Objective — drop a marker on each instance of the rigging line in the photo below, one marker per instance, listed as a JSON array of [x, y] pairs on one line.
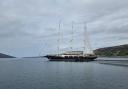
[[87, 41]]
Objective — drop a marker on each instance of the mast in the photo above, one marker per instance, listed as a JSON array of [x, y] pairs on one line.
[[59, 37], [84, 39], [72, 34]]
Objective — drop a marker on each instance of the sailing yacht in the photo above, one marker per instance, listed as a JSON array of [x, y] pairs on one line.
[[75, 56]]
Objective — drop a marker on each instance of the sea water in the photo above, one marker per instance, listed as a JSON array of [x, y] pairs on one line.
[[39, 73]]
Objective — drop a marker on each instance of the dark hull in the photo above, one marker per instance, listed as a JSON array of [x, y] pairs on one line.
[[71, 58]]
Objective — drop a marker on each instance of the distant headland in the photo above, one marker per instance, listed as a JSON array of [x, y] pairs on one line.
[[114, 51], [5, 56]]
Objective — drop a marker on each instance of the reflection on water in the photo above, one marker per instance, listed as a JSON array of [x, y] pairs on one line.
[[114, 61], [38, 73]]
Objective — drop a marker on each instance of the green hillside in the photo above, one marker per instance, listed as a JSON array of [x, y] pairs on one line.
[[121, 50]]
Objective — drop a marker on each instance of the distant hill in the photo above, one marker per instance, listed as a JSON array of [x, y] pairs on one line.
[[5, 56], [121, 50]]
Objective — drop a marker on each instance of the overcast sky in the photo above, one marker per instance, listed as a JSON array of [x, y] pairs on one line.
[[29, 27]]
